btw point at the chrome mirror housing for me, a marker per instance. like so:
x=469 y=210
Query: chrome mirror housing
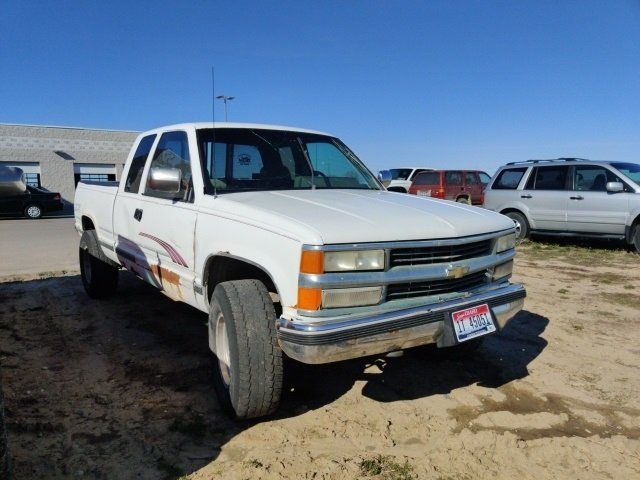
x=165 y=179
x=615 y=187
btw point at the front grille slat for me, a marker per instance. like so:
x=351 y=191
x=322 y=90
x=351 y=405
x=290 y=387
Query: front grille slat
x=435 y=287
x=439 y=254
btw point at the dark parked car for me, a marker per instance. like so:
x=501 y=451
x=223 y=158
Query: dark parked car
x=31 y=203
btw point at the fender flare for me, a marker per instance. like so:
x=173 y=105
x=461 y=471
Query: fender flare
x=89 y=242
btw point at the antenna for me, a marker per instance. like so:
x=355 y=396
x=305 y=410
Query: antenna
x=213 y=128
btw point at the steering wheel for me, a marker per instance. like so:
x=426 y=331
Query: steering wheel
x=326 y=179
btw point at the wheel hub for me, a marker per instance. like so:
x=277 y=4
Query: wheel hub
x=33 y=211
x=222 y=350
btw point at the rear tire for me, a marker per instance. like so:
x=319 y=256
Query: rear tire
x=33 y=211
x=99 y=279
x=242 y=333
x=522 y=226
x=465 y=200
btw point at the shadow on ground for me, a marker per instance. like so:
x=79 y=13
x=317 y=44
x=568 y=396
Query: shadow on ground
x=122 y=388
x=583 y=242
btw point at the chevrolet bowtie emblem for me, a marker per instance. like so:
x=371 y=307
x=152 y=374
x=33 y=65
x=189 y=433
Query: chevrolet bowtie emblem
x=457 y=271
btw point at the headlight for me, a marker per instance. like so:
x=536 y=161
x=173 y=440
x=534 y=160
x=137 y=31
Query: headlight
x=353 y=260
x=506 y=242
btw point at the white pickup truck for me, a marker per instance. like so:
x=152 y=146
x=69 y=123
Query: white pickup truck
x=290 y=244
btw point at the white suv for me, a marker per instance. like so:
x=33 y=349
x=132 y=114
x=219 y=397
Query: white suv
x=569 y=196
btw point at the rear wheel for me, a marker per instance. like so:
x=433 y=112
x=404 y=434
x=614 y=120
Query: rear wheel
x=33 y=211
x=466 y=200
x=99 y=279
x=242 y=334
x=522 y=226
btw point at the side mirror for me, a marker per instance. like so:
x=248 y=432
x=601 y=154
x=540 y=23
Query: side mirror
x=615 y=187
x=385 y=177
x=165 y=179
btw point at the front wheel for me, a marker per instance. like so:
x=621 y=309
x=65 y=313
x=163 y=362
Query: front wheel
x=33 y=211
x=635 y=240
x=99 y=279
x=522 y=226
x=242 y=335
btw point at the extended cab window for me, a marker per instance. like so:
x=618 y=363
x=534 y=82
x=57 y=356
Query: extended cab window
x=134 y=176
x=172 y=153
x=509 y=179
x=550 y=178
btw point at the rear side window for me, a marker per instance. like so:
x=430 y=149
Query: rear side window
x=453 y=178
x=551 y=178
x=471 y=178
x=428 y=178
x=172 y=152
x=509 y=179
x=137 y=164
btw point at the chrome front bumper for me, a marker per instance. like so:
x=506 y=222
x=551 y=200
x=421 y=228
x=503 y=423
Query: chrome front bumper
x=334 y=340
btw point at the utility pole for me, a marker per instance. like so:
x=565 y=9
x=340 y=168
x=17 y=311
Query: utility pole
x=225 y=99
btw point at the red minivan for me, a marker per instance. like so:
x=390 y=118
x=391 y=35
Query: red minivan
x=466 y=186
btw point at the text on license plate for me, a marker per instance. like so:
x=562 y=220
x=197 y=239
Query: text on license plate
x=472 y=322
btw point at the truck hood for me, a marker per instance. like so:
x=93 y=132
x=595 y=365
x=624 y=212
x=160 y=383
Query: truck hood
x=352 y=216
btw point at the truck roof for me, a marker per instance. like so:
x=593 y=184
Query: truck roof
x=199 y=125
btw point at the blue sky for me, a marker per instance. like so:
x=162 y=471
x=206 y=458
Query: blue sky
x=439 y=83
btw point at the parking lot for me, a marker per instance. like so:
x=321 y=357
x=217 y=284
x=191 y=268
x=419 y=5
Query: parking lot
x=36 y=248
x=552 y=396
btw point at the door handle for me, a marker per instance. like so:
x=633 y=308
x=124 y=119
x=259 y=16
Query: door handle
x=137 y=214
x=579 y=197
x=525 y=196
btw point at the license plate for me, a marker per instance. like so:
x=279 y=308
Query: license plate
x=473 y=322
x=424 y=193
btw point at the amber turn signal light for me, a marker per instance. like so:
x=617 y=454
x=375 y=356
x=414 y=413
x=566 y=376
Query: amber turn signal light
x=312 y=261
x=309 y=298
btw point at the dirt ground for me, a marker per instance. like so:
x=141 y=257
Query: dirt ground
x=122 y=389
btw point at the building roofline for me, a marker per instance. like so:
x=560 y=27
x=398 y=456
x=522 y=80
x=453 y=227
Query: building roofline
x=67 y=128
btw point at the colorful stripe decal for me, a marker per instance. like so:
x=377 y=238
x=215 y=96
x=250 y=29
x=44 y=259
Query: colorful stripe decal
x=173 y=254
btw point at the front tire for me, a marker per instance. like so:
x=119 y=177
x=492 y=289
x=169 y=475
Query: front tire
x=522 y=226
x=99 y=279
x=242 y=334
x=33 y=211
x=635 y=239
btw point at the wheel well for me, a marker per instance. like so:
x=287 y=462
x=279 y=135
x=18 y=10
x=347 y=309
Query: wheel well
x=397 y=189
x=510 y=210
x=87 y=223
x=632 y=230
x=223 y=269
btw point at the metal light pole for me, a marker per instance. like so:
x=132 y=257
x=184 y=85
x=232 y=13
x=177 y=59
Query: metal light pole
x=225 y=99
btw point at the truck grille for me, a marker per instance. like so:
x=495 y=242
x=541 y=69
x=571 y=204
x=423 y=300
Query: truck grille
x=439 y=254
x=434 y=287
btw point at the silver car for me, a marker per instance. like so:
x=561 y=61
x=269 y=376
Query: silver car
x=569 y=196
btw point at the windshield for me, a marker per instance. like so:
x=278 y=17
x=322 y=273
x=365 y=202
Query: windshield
x=400 y=173
x=243 y=160
x=631 y=170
